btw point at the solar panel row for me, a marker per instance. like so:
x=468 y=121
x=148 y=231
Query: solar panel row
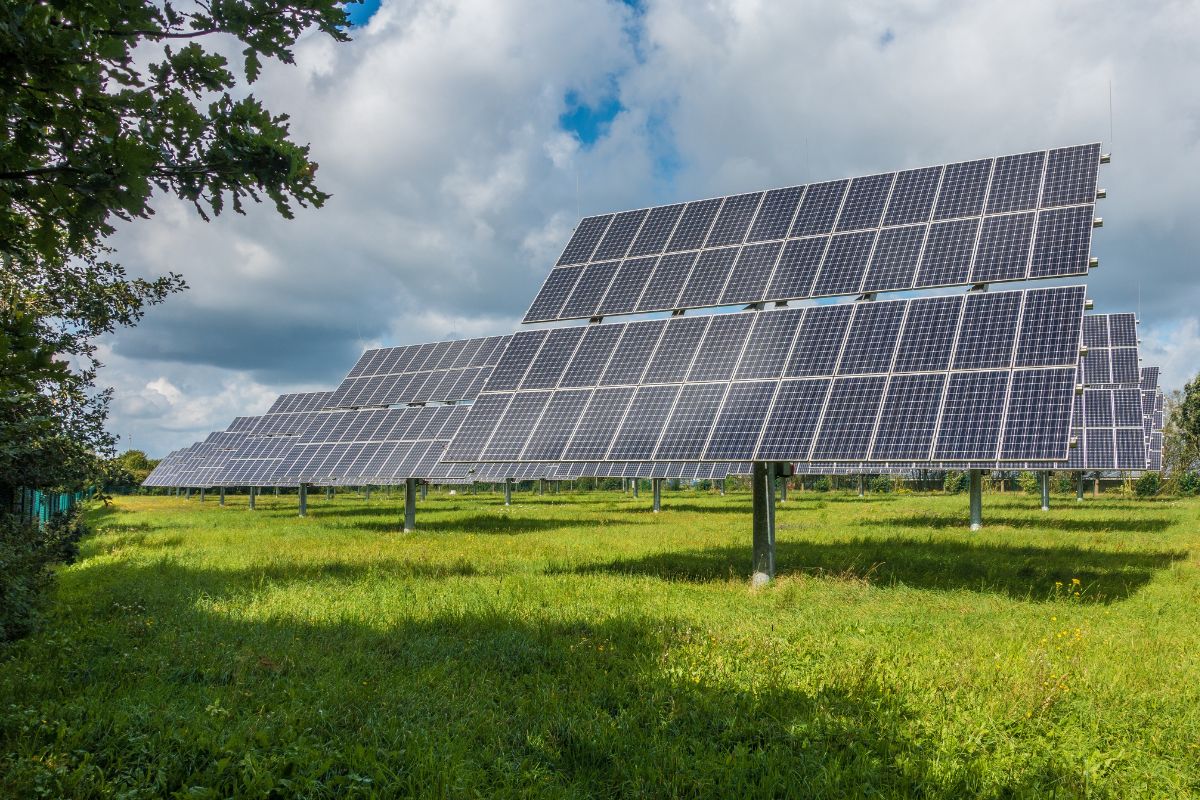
x=1013 y=218
x=1112 y=357
x=986 y=376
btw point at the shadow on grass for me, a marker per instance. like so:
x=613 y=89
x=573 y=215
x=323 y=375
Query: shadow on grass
x=508 y=524
x=480 y=698
x=1046 y=521
x=1027 y=573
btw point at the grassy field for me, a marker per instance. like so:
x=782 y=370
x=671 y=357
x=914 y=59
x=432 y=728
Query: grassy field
x=576 y=646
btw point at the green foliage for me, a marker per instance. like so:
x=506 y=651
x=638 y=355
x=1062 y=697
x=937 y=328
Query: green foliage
x=1064 y=482
x=126 y=472
x=26 y=553
x=1147 y=485
x=821 y=483
x=882 y=484
x=580 y=646
x=1029 y=483
x=956 y=482
x=1188 y=484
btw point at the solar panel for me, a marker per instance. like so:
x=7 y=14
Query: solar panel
x=1017 y=217
x=432 y=372
x=1112 y=357
x=1004 y=367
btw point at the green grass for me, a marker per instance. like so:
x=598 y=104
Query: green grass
x=576 y=646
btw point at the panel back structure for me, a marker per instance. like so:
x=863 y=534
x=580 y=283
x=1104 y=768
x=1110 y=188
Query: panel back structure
x=1020 y=217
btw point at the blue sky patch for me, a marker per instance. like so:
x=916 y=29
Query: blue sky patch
x=361 y=13
x=588 y=122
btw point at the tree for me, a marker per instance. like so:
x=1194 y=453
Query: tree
x=1181 y=436
x=105 y=105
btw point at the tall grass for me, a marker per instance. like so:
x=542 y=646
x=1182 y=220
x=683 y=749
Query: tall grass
x=575 y=646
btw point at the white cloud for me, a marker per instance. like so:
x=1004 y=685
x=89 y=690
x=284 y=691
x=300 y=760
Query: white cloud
x=454 y=186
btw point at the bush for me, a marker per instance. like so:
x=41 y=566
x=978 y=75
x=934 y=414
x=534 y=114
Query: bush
x=1029 y=483
x=956 y=482
x=1064 y=482
x=1189 y=483
x=882 y=484
x=821 y=483
x=1147 y=485
x=26 y=553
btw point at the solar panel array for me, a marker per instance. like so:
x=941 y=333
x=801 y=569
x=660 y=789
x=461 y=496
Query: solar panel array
x=1152 y=412
x=1112 y=435
x=1112 y=358
x=1018 y=217
x=422 y=373
x=985 y=376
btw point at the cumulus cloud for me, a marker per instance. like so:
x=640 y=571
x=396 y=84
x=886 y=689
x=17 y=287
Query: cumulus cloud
x=439 y=132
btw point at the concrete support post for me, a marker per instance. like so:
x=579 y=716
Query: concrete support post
x=424 y=491
x=541 y=488
x=975 y=480
x=222 y=490
x=763 y=494
x=188 y=496
x=328 y=492
x=303 y=499
x=783 y=490
x=656 y=485
x=508 y=491
x=251 y=506
x=1045 y=491
x=862 y=489
x=366 y=493
x=636 y=485
x=1079 y=488
x=1096 y=485
x=721 y=485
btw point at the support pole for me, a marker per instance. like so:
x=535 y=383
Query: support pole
x=541 y=487
x=975 y=479
x=1045 y=491
x=303 y=499
x=508 y=491
x=251 y=506
x=410 y=505
x=656 y=485
x=222 y=495
x=188 y=495
x=861 y=486
x=366 y=493
x=1079 y=487
x=763 y=493
x=328 y=492
x=783 y=490
x=201 y=494
x=722 y=486
x=1096 y=485
x=424 y=491
x=636 y=483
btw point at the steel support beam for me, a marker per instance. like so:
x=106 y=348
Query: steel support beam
x=1079 y=487
x=722 y=486
x=975 y=480
x=1045 y=491
x=366 y=493
x=303 y=499
x=424 y=491
x=862 y=489
x=222 y=490
x=656 y=485
x=783 y=490
x=636 y=483
x=508 y=491
x=328 y=492
x=763 y=494
x=201 y=494
x=410 y=505
x=251 y=506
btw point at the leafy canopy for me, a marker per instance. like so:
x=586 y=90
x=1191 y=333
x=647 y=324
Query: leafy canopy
x=104 y=105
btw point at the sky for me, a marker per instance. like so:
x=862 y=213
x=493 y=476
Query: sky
x=463 y=139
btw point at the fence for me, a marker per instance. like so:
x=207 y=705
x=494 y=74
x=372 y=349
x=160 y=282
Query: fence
x=34 y=506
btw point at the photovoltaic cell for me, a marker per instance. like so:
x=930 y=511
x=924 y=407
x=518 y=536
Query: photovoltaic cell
x=819 y=343
x=819 y=209
x=620 y=234
x=644 y=421
x=686 y=432
x=584 y=240
x=1064 y=237
x=949 y=248
x=775 y=215
x=1016 y=182
x=1071 y=175
x=1003 y=252
x=913 y=196
x=908 y=417
x=872 y=339
x=592 y=286
x=709 y=276
x=751 y=272
x=735 y=433
x=693 y=226
x=627 y=286
x=849 y=418
x=599 y=423
x=656 y=230
x=844 y=264
x=894 y=262
x=929 y=333
x=591 y=356
x=734 y=219
x=666 y=282
x=676 y=350
x=963 y=188
x=629 y=359
x=972 y=414
x=987 y=335
x=1039 y=414
x=558 y=422
x=793 y=419
x=547 y=367
x=516 y=360
x=718 y=353
x=797 y=267
x=768 y=345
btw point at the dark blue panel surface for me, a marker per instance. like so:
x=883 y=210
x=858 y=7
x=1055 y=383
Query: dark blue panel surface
x=686 y=432
x=591 y=356
x=708 y=278
x=1062 y=245
x=619 y=235
x=735 y=433
x=820 y=207
x=1016 y=182
x=516 y=425
x=1039 y=414
x=598 y=425
x=734 y=220
x=722 y=346
x=793 y=419
x=590 y=290
x=694 y=224
x=872 y=339
x=913 y=196
x=798 y=265
x=865 y=201
x=548 y=365
x=908 y=417
x=676 y=350
x=987 y=335
x=849 y=418
x=627 y=286
x=819 y=343
x=632 y=353
x=1003 y=252
x=656 y=230
x=769 y=344
x=972 y=416
x=662 y=292
x=751 y=272
x=516 y=360
x=1050 y=325
x=644 y=422
x=845 y=264
x=584 y=240
x=894 y=262
x=1071 y=175
x=964 y=186
x=949 y=248
x=556 y=425
x=775 y=215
